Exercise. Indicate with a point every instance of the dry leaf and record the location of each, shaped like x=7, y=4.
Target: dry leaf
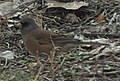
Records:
x=6, y=7
x=72, y=18
x=101, y=17
x=70, y=5
x=7, y=54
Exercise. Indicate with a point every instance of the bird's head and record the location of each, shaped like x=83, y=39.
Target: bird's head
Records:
x=26, y=20
x=28, y=24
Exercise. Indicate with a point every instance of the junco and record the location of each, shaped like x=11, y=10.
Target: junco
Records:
x=38, y=40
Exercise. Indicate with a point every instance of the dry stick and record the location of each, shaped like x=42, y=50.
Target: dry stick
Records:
x=40, y=69
x=59, y=64
x=16, y=9
x=51, y=20
x=53, y=55
x=53, y=50
x=28, y=8
x=43, y=17
x=41, y=20
x=54, y=47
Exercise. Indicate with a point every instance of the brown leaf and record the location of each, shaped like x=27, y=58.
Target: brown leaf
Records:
x=101, y=17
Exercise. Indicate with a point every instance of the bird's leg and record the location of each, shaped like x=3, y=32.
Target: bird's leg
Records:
x=52, y=59
x=38, y=60
x=52, y=55
x=53, y=50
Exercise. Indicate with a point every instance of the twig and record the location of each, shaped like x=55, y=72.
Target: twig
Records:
x=40, y=69
x=60, y=64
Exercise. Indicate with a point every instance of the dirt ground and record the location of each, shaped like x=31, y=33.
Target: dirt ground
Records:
x=97, y=22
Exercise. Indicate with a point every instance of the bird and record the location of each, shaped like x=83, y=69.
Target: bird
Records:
x=39, y=41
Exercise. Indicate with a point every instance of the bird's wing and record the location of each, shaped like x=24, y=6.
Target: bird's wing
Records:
x=63, y=39
x=46, y=37
x=42, y=36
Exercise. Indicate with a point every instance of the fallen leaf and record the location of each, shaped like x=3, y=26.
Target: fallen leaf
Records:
x=6, y=8
x=70, y=5
x=7, y=54
x=101, y=17
x=72, y=18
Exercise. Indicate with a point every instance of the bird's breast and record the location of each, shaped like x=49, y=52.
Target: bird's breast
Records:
x=35, y=47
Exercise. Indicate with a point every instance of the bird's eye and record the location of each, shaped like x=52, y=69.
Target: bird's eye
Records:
x=24, y=24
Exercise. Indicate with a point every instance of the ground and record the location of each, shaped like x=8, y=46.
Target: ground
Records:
x=99, y=21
